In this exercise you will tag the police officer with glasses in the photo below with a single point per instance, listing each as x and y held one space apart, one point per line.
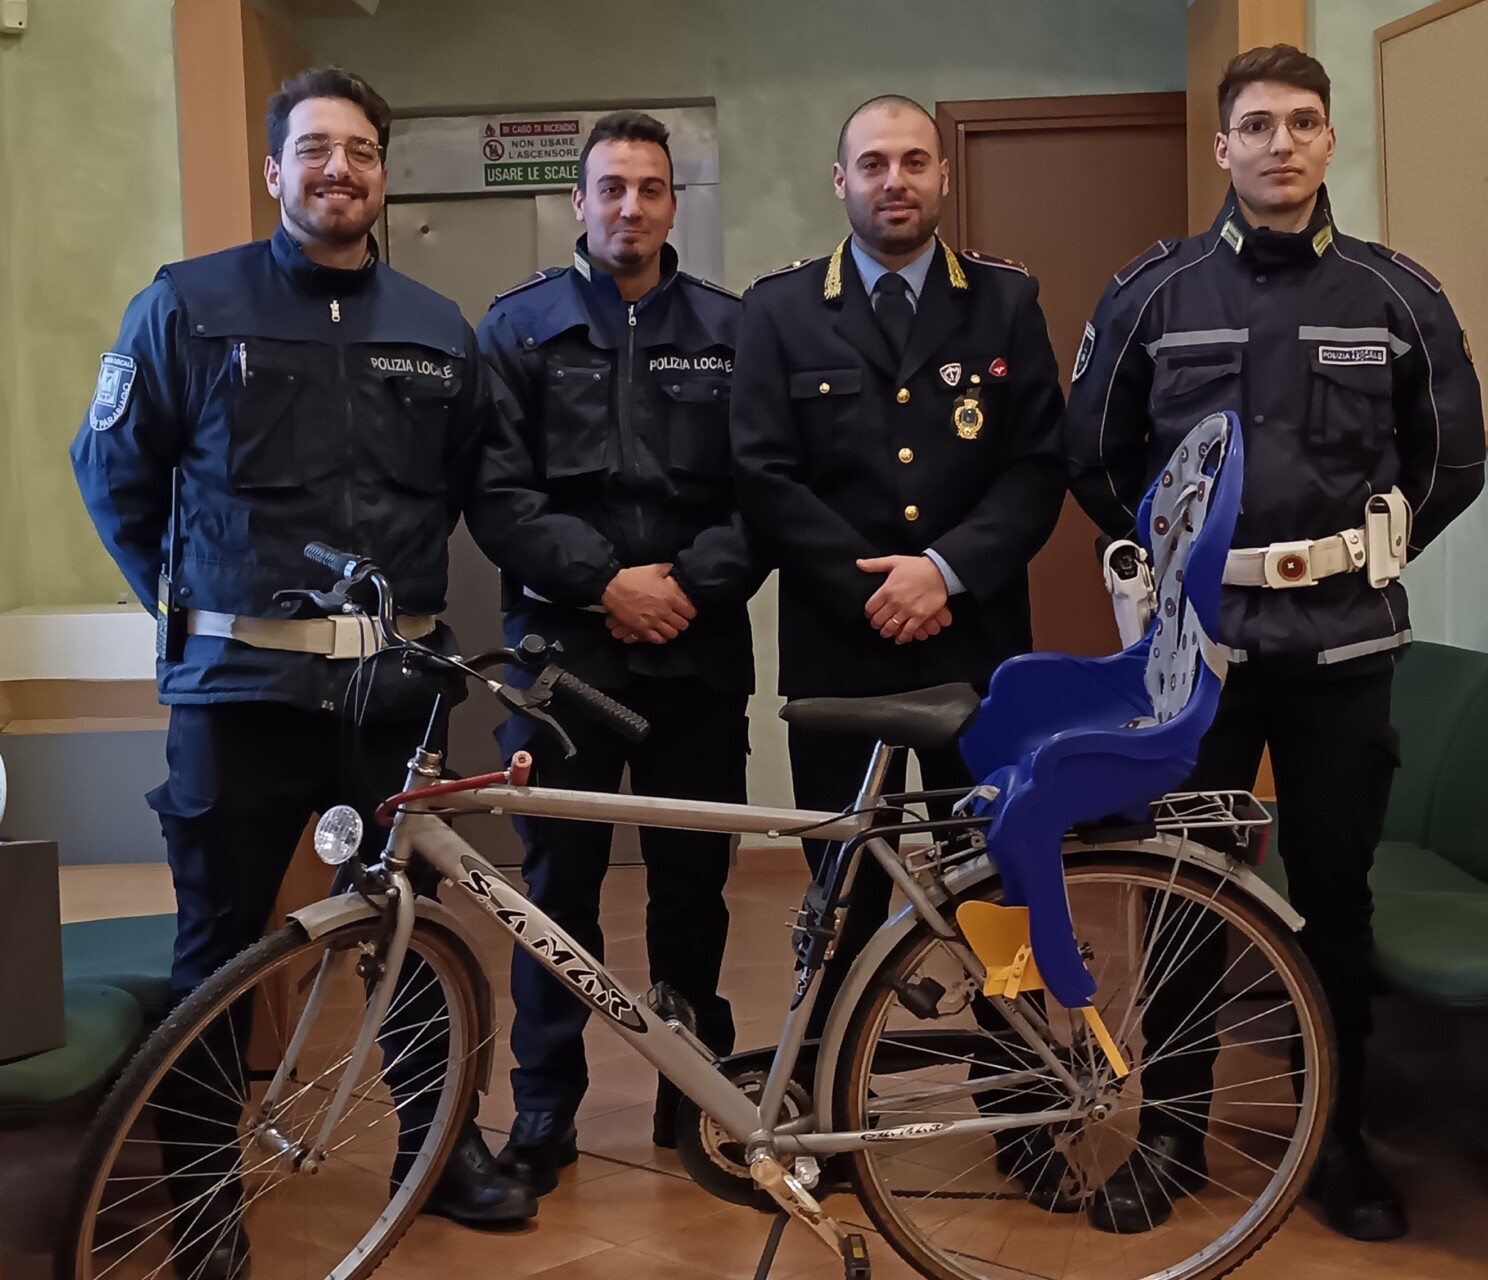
1364 440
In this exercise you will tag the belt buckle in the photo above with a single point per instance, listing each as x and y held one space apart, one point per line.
1289 564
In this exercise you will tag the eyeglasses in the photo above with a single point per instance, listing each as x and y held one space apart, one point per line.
314 151
1304 127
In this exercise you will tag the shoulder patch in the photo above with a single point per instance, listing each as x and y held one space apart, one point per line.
1143 260
991 260
1415 268
116 375
537 277
789 267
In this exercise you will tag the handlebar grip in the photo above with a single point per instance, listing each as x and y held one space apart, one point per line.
602 707
341 563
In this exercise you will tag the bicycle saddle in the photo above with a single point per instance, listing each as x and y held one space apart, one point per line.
921 719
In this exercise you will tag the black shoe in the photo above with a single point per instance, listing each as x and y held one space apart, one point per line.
213 1254
664 1118
1139 1195
1356 1200
473 1191
1030 1158
538 1147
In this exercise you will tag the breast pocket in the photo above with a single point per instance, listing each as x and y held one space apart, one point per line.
1189 387
575 420
413 454
271 442
1349 405
697 426
825 401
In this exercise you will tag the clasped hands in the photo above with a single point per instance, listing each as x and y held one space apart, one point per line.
911 603
644 603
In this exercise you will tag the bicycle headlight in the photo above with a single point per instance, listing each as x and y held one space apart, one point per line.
338 834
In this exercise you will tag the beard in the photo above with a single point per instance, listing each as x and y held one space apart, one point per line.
328 224
899 236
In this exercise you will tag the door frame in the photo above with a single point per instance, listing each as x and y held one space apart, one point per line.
959 121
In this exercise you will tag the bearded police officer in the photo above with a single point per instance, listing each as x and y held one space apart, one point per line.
1364 440
605 498
895 434
289 390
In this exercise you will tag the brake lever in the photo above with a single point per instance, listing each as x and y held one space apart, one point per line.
328 602
532 708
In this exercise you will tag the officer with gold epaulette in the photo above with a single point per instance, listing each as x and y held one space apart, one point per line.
1363 439
896 446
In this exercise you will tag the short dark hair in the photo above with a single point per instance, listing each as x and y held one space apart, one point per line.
891 101
626 126
326 82
1277 64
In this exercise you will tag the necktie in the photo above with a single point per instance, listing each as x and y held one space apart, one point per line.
894 310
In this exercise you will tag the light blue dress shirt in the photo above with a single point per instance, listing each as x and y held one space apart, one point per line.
914 273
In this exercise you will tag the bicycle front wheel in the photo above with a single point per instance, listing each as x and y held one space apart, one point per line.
189 1172
1217 1013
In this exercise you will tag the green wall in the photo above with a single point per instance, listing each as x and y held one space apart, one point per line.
783 73
90 206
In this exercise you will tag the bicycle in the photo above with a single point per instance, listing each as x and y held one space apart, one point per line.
973 1125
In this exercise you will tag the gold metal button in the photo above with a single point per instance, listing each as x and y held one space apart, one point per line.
903 395
906 455
825 387
911 512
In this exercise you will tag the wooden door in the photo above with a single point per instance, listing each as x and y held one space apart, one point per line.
1074 188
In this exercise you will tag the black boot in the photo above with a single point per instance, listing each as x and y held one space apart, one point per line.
541 1143
1356 1200
473 1191
1139 1195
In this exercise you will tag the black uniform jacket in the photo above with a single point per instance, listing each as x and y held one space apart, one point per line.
1350 375
842 452
610 450
294 403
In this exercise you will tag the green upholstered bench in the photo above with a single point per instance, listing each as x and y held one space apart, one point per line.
104 1024
1430 875
132 953
116 976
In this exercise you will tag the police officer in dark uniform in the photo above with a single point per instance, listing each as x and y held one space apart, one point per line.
1364 440
605 498
285 391
895 434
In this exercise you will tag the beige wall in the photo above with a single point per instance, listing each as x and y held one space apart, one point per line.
90 205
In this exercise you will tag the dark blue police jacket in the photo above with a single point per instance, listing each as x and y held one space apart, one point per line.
297 403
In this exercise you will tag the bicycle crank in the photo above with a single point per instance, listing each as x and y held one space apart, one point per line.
784 1188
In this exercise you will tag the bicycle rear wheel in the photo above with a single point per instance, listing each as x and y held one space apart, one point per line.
1242 1069
186 1174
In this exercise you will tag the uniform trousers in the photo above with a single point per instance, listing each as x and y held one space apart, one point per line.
1333 756
696 750
827 773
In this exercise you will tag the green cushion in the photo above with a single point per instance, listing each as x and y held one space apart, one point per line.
1454 825
103 1026
1436 690
1435 943
132 953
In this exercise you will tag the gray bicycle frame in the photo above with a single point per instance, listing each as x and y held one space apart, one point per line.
666 1044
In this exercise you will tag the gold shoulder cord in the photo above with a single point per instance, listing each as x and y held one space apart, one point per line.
953 265
832 290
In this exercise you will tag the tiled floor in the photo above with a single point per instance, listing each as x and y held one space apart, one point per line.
627 1210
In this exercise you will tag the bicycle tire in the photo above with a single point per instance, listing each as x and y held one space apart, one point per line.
209 1008
895 1216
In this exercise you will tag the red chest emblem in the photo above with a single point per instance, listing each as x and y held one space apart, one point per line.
998 368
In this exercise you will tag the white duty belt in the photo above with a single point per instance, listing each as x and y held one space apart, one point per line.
1378 546
343 636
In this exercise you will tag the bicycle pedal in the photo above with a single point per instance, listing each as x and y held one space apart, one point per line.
855 1263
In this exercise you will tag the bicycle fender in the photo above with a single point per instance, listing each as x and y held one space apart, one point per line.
977 871
319 918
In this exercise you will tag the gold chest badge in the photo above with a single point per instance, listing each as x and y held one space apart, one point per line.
966 417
